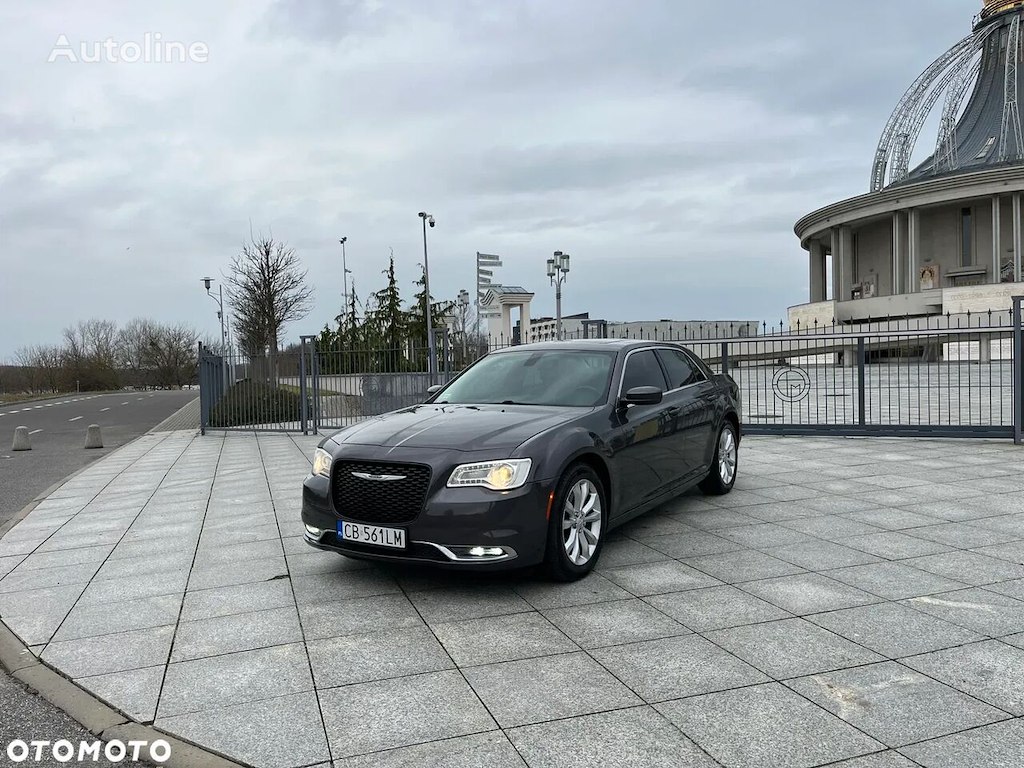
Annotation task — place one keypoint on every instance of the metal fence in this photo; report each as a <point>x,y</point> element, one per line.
<point>946,376</point>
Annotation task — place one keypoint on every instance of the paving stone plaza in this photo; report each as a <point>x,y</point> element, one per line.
<point>854,602</point>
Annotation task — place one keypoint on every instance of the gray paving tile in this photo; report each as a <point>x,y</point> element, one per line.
<point>808,593</point>
<point>629,738</point>
<point>894,545</point>
<point>229,574</point>
<point>310,561</point>
<point>240,598</point>
<point>887,759</point>
<point>652,525</point>
<point>41,578</point>
<point>961,535</point>
<point>978,609</point>
<point>490,749</point>
<point>1009,588</point>
<point>467,602</point>
<point>693,544</point>
<point>277,733</point>
<point>766,726</point>
<point>328,587</point>
<point>713,517</point>
<point>818,555</point>
<point>134,692</point>
<point>619,552</point>
<point>593,589</point>
<point>763,535</point>
<point>658,578</point>
<point>80,556</point>
<point>791,647</point>
<point>94,619</point>
<point>746,565</point>
<point>830,527</point>
<point>893,581</point>
<point>969,567</point>
<point>990,671</point>
<point>993,746</point>
<point>219,681</point>
<point>502,638</point>
<point>375,656</point>
<point>357,616</point>
<point>675,667</point>
<point>894,629</point>
<point>238,632</point>
<point>91,656</point>
<point>891,519</point>
<point>625,621</point>
<point>537,690</point>
<point>361,718</point>
<point>135,587</point>
<point>894,704</point>
<point>716,608</point>
<point>237,549</point>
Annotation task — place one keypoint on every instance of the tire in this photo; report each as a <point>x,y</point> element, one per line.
<point>566,525</point>
<point>722,475</point>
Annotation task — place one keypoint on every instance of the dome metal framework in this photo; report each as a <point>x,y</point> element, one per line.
<point>988,131</point>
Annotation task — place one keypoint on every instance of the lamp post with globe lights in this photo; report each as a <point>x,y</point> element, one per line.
<point>558,271</point>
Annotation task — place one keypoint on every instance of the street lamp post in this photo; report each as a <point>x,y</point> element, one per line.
<point>431,361</point>
<point>558,271</point>
<point>220,308</point>
<point>464,312</point>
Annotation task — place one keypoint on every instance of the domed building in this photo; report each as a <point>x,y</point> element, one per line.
<point>944,236</point>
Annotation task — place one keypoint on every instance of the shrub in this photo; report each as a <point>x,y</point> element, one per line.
<point>254,402</point>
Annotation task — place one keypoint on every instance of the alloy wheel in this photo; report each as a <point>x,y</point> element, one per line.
<point>581,522</point>
<point>727,456</point>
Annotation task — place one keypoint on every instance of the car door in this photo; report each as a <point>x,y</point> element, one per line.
<point>692,400</point>
<point>640,454</point>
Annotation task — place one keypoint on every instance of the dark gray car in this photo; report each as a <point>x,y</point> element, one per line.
<point>531,455</point>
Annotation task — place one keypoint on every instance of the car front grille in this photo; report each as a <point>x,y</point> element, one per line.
<point>379,499</point>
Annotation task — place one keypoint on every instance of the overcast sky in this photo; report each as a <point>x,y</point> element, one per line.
<point>668,145</point>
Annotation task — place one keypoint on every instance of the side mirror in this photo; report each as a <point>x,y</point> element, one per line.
<point>642,396</point>
<point>434,389</point>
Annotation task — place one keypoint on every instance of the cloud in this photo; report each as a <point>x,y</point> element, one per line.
<point>668,145</point>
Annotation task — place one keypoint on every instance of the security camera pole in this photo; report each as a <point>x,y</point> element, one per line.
<point>427,218</point>
<point>344,278</point>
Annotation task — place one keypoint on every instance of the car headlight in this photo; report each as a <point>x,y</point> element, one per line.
<point>322,461</point>
<point>503,475</point>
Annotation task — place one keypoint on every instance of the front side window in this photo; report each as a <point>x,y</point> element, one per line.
<point>643,370</point>
<point>546,377</point>
<point>681,371</point>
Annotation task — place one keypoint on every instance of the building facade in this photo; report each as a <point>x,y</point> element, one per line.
<point>944,237</point>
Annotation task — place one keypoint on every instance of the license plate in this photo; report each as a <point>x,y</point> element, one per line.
<point>360,533</point>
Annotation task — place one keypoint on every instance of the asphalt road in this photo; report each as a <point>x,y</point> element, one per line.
<point>58,430</point>
<point>58,441</point>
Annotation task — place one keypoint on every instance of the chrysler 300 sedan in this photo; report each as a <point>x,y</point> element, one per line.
<point>531,455</point>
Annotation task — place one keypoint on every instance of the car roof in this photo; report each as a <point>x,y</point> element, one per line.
<point>614,345</point>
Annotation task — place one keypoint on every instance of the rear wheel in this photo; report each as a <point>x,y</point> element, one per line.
<point>577,524</point>
<point>722,475</point>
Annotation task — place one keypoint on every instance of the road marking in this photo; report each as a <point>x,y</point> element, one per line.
<point>125,403</point>
<point>75,419</point>
<point>34,431</point>
<point>26,409</point>
<point>38,407</point>
<point>138,398</point>
<point>104,409</point>
<point>49,405</point>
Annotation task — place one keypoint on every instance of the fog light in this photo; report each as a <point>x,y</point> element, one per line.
<point>486,551</point>
<point>316,533</point>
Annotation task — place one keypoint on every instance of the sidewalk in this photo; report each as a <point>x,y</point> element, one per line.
<point>851,597</point>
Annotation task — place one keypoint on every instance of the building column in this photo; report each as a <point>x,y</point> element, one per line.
<point>818,290</point>
<point>837,268</point>
<point>898,257</point>
<point>525,331</point>
<point>845,262</point>
<point>1016,238</point>
<point>997,239</point>
<point>912,284</point>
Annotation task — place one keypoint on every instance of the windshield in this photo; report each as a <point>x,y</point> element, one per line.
<point>549,377</point>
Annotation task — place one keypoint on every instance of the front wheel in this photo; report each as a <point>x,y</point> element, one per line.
<point>722,475</point>
<point>577,522</point>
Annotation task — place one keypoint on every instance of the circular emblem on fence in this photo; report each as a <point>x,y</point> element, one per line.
<point>791,384</point>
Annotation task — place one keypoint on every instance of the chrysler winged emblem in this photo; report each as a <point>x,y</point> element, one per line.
<point>382,478</point>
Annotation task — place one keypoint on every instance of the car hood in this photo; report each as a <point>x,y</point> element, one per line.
<point>462,427</point>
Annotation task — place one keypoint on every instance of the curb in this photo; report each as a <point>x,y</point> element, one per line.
<point>97,717</point>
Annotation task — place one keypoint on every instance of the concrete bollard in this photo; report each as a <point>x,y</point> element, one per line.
<point>93,438</point>
<point>22,442</point>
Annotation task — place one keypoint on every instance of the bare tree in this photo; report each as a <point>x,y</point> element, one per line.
<point>133,350</point>
<point>267,290</point>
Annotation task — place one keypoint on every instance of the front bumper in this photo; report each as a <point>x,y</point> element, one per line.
<point>455,524</point>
